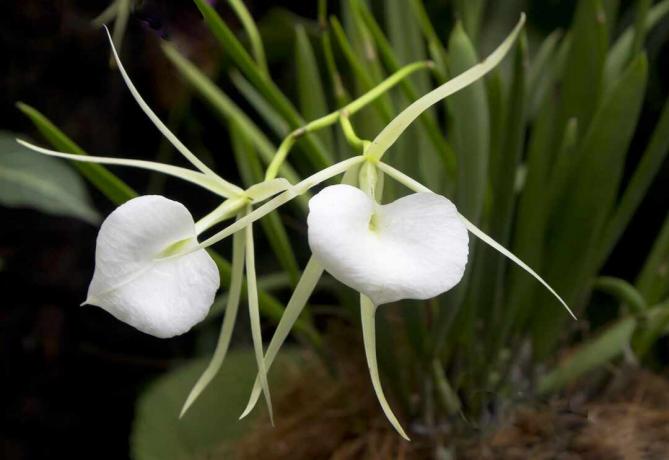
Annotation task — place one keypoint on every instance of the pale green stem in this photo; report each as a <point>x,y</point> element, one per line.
<point>312,273</point>
<point>285,197</point>
<point>254,316</point>
<point>332,118</point>
<point>224,211</point>
<point>418,187</point>
<point>367,312</point>
<point>165,131</point>
<point>349,133</point>
<point>387,137</point>
<point>252,31</point>
<point>232,306</point>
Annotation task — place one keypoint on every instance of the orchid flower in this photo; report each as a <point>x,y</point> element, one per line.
<point>150,272</point>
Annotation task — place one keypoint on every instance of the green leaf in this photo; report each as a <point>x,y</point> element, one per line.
<point>623,291</point>
<point>471,14</point>
<point>532,215</point>
<point>595,353</point>
<point>260,104</point>
<point>621,50</point>
<point>105,181</point>
<point>538,77</point>
<point>310,90</point>
<point>252,31</point>
<point>211,426</point>
<point>471,129</point>
<point>647,169</point>
<point>653,281</point>
<point>653,325</point>
<point>582,76</point>
<point>580,214</point>
<point>46,184</point>
<point>317,154</point>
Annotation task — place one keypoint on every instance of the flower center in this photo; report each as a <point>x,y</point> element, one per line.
<point>374,223</point>
<point>175,248</point>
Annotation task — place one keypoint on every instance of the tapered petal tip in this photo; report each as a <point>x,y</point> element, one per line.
<point>163,297</point>
<point>413,248</point>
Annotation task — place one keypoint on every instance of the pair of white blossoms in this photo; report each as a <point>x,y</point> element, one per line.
<point>413,248</point>
<point>152,273</point>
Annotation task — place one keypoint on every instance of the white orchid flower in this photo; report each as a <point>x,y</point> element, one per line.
<point>134,281</point>
<point>413,248</point>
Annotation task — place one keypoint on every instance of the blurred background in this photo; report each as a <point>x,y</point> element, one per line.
<point>70,375</point>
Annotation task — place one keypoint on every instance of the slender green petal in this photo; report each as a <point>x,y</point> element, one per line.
<point>234,293</point>
<point>225,210</point>
<point>285,197</point>
<point>418,187</point>
<point>254,316</point>
<point>312,273</point>
<point>251,172</point>
<point>188,175</point>
<point>367,312</point>
<point>165,131</point>
<point>310,277</point>
<point>396,127</point>
<point>266,189</point>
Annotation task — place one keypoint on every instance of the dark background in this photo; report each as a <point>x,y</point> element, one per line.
<point>69,375</point>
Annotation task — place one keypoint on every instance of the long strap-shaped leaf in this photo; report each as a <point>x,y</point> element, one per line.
<point>418,187</point>
<point>234,293</point>
<point>367,311</point>
<point>312,273</point>
<point>254,316</point>
<point>190,156</point>
<point>188,175</point>
<point>396,127</point>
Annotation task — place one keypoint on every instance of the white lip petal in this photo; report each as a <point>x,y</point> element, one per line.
<point>413,248</point>
<point>163,297</point>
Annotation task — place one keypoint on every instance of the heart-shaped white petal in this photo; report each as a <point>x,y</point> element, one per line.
<point>133,280</point>
<point>413,248</point>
